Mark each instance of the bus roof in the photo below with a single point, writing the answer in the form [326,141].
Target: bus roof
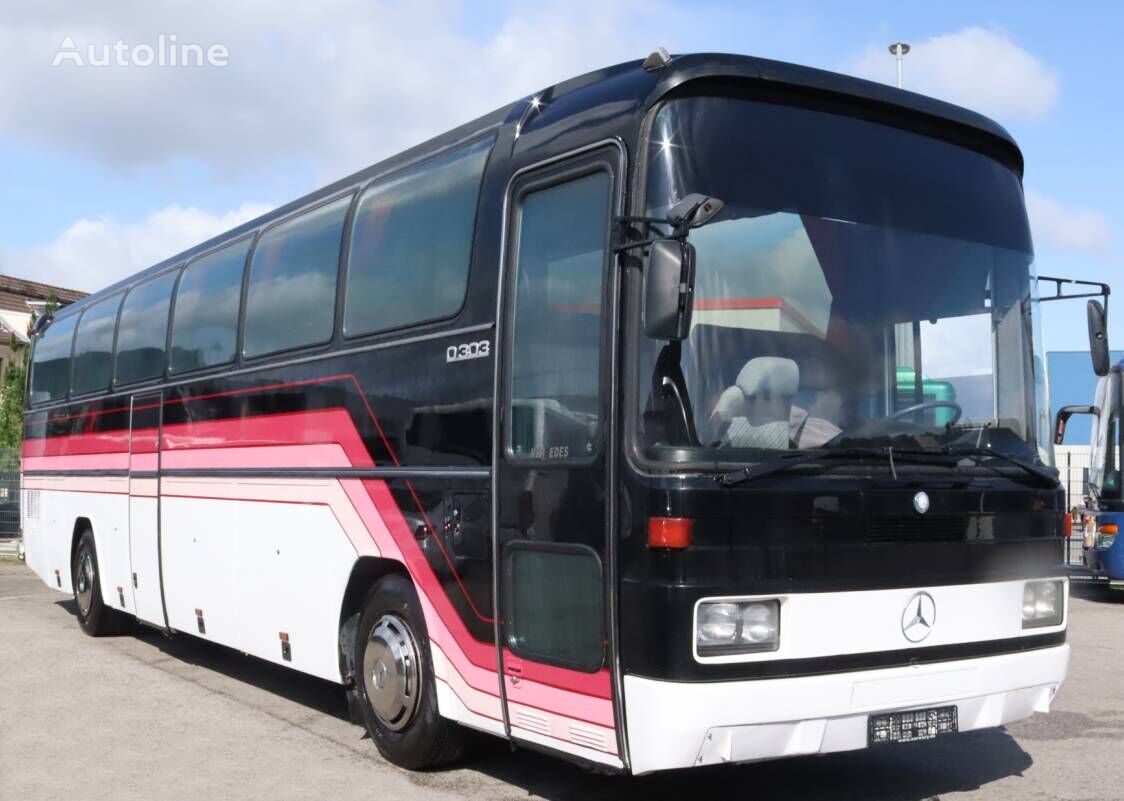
[620,94]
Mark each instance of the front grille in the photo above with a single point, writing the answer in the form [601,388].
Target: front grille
[916,528]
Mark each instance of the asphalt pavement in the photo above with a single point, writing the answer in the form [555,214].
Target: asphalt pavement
[145,717]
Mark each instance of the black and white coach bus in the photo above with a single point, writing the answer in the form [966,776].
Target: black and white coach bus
[690,411]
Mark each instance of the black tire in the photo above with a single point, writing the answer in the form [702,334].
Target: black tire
[405,726]
[95,618]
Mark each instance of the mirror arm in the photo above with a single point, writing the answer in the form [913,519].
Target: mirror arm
[624,226]
[1104,290]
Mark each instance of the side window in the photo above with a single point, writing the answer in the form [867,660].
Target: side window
[554,604]
[556,332]
[291,299]
[50,362]
[411,244]
[93,346]
[205,321]
[143,329]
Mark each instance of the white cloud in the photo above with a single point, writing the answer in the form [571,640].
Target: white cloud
[93,253]
[340,83]
[337,84]
[1066,228]
[978,68]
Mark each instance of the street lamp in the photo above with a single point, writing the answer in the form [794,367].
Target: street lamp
[899,49]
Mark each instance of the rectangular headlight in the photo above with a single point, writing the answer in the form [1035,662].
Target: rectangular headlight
[1043,604]
[737,627]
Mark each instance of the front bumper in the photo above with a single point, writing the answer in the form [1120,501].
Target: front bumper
[679,724]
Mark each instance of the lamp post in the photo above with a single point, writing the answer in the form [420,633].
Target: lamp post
[899,49]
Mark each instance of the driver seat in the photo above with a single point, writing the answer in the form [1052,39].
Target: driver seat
[756,411]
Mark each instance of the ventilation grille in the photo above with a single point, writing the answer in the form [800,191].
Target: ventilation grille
[590,738]
[918,528]
[532,722]
[32,506]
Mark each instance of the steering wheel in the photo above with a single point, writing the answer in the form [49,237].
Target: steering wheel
[920,407]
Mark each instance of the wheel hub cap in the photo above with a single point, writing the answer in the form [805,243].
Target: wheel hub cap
[85,581]
[392,672]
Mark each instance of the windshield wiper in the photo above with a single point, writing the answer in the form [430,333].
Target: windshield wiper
[744,474]
[979,454]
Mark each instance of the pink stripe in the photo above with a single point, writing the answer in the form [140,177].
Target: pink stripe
[144,462]
[296,428]
[586,708]
[313,455]
[144,487]
[96,461]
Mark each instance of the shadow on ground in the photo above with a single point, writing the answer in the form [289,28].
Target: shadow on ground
[1100,593]
[914,772]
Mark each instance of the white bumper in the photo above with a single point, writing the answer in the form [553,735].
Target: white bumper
[678,725]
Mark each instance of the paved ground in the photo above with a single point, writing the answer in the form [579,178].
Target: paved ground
[141,717]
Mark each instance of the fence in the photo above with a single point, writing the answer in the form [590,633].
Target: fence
[1073,471]
[9,493]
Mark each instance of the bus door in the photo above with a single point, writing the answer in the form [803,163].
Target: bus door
[145,417]
[553,456]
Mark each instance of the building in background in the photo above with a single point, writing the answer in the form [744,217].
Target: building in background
[1072,383]
[19,299]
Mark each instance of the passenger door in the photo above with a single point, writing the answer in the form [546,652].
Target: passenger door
[145,417]
[553,454]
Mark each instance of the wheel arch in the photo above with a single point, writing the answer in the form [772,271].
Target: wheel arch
[80,525]
[366,571]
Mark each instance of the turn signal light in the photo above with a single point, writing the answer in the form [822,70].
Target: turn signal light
[669,532]
[1109,528]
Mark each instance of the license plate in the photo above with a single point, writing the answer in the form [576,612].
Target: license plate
[909,727]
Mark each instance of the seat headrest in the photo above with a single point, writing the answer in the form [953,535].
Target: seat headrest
[773,374]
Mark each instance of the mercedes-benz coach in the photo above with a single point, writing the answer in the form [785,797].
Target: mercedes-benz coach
[689,411]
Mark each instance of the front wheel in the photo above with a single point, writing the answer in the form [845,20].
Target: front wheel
[396,687]
[95,618]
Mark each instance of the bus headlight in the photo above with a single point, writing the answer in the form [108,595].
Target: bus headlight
[1106,535]
[737,627]
[1043,604]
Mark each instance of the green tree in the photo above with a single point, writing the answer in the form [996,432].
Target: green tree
[13,384]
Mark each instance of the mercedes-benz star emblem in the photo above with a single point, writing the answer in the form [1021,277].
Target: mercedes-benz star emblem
[921,502]
[919,617]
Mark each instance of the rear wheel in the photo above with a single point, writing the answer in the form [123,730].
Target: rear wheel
[396,687]
[95,618]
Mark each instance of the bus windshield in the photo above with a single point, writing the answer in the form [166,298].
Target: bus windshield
[864,284]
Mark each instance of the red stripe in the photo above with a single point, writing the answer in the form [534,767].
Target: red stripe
[597,684]
[335,425]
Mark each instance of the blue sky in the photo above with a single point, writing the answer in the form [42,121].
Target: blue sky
[107,169]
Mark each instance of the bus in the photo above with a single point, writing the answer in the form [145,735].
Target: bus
[583,425]
[1102,556]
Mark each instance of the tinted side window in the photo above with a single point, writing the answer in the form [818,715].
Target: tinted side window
[50,363]
[93,347]
[205,322]
[291,299]
[412,242]
[554,607]
[556,346]
[143,329]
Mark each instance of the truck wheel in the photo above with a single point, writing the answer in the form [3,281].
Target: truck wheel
[95,618]
[396,687]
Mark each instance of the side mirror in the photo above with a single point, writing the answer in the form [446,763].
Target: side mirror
[1065,413]
[669,288]
[1098,338]
[41,323]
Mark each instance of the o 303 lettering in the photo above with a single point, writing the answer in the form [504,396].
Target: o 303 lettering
[481,349]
